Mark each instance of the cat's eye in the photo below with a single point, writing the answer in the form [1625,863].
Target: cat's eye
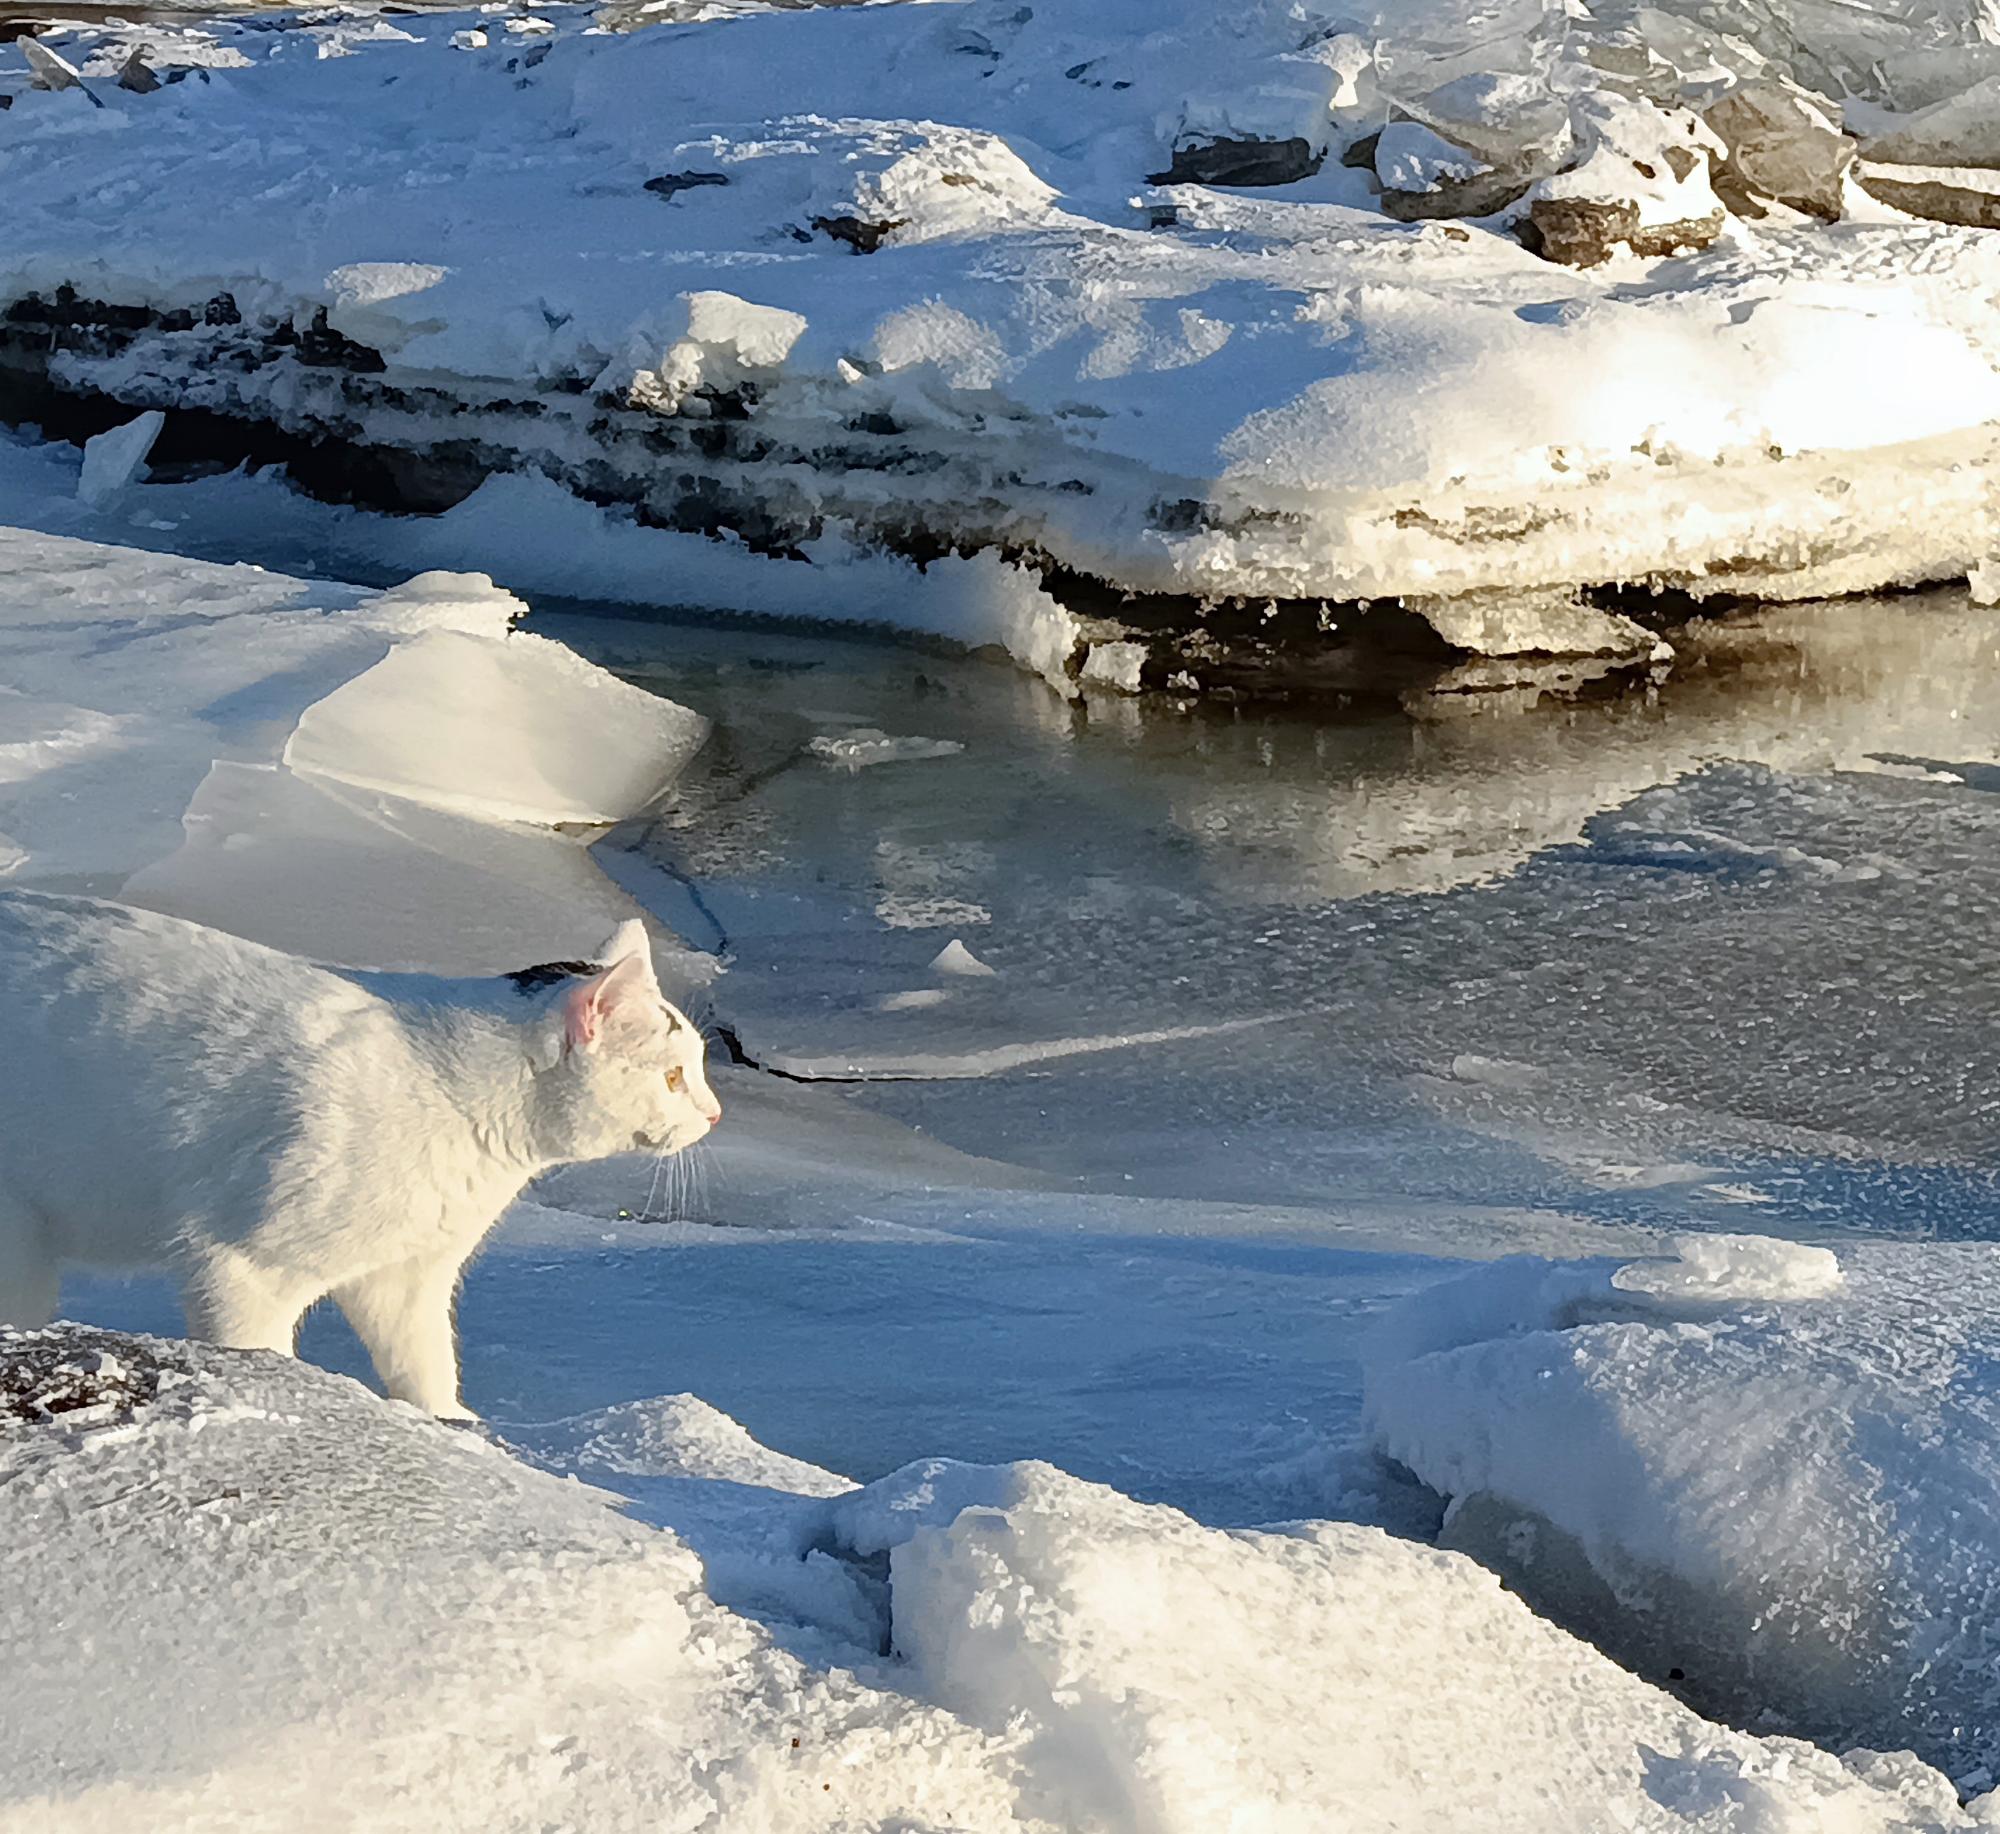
[676,1082]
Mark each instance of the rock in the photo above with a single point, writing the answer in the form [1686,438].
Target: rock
[137,76]
[1966,195]
[1241,162]
[75,1375]
[1641,184]
[1480,196]
[671,184]
[1963,130]
[1778,145]
[1583,232]
[863,237]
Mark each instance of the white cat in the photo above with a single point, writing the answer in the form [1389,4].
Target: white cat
[276,1131]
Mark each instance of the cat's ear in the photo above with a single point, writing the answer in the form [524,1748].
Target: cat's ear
[628,940]
[593,1005]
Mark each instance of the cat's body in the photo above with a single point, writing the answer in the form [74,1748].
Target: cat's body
[277,1132]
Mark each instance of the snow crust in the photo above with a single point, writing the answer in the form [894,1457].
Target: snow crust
[1181,387]
[378,1621]
[267,755]
[1774,1475]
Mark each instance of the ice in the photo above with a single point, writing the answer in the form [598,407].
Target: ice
[857,750]
[113,460]
[1773,1476]
[1781,145]
[1733,1270]
[956,959]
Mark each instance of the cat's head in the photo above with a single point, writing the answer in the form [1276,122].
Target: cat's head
[618,1068]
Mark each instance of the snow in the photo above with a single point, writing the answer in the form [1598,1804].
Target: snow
[1179,388]
[1063,1654]
[1769,1473]
[1273,1028]
[366,1602]
[232,744]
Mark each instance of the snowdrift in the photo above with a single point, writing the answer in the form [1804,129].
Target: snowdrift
[1275,302]
[240,1591]
[363,776]
[1768,1476]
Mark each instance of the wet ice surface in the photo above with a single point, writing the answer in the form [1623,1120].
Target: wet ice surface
[1718,953]
[1288,1018]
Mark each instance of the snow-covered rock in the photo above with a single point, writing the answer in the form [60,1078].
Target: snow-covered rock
[1641,184]
[1769,1477]
[892,278]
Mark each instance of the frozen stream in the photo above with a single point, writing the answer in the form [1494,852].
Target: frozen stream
[1287,1016]
[1721,953]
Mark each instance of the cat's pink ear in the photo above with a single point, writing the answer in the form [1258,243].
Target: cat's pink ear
[593,1004]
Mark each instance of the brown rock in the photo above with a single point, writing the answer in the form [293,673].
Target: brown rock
[1583,232]
[1970,197]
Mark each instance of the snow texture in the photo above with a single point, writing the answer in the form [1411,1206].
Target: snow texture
[266,755]
[1773,1476]
[900,274]
[377,1621]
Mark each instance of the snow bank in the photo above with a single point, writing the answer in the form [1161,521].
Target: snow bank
[377,1621]
[359,775]
[1770,1476]
[253,1595]
[1171,1677]
[1087,282]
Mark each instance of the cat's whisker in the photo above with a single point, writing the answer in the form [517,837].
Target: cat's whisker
[646,1212]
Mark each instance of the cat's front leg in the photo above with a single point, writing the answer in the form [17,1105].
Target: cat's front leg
[402,1314]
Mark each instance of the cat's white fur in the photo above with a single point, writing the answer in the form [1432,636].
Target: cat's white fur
[276,1132]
